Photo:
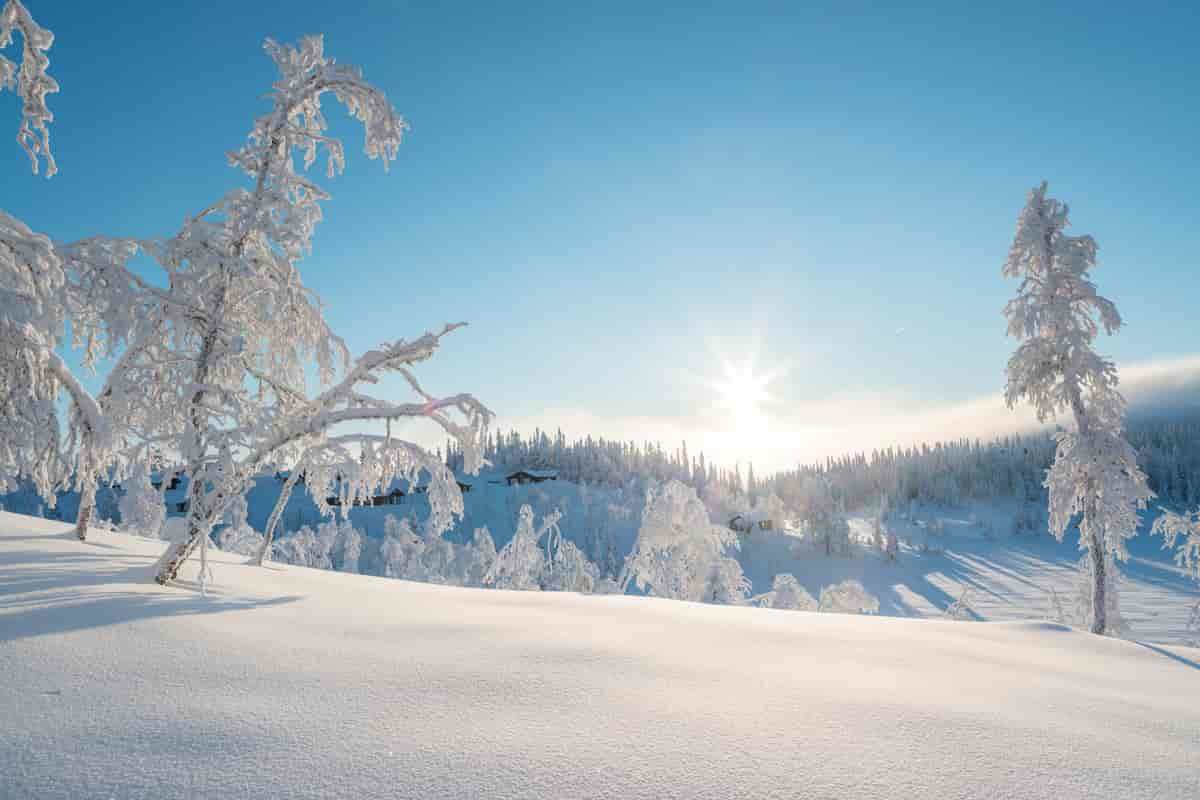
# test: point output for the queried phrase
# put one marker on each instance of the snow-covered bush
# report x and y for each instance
(141, 506)
(725, 584)
(347, 547)
(474, 560)
(521, 563)
(241, 539)
(961, 609)
(786, 592)
(569, 570)
(848, 597)
(401, 551)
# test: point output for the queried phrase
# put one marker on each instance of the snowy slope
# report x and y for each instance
(290, 682)
(1010, 577)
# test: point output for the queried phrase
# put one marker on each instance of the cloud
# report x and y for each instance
(858, 421)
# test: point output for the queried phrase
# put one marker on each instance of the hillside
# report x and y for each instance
(943, 551)
(289, 682)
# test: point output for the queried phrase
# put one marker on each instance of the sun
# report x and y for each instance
(742, 392)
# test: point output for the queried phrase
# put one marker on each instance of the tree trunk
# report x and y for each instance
(276, 513)
(1099, 586)
(87, 505)
(177, 553)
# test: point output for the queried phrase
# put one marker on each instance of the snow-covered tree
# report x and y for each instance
(254, 328)
(822, 518)
(347, 547)
(303, 548)
(56, 298)
(237, 536)
(47, 290)
(521, 563)
(726, 584)
(141, 505)
(1095, 474)
(569, 570)
(848, 597)
(786, 592)
(401, 551)
(679, 552)
(474, 560)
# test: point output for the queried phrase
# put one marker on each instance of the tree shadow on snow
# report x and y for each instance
(49, 593)
(1173, 656)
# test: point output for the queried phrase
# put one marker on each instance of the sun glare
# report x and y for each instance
(741, 393)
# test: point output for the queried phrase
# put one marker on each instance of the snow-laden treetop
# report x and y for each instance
(1054, 313)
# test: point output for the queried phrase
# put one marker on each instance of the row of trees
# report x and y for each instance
(607, 462)
(946, 473)
(210, 355)
(955, 472)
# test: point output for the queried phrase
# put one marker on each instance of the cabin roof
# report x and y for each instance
(534, 473)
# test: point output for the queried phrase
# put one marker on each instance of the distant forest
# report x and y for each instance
(947, 472)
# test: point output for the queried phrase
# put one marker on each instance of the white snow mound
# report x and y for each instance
(296, 683)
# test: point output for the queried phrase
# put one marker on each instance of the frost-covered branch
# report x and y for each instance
(30, 80)
(1184, 529)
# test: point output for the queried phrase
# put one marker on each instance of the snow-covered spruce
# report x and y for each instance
(848, 597)
(1095, 472)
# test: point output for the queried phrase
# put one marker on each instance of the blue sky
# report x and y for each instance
(616, 197)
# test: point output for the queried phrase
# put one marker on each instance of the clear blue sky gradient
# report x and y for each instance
(608, 192)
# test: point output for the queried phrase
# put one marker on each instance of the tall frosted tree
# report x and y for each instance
(1057, 315)
(252, 331)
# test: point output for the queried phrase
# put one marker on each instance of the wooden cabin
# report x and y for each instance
(524, 476)
(393, 498)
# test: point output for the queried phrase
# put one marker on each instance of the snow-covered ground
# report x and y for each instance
(288, 682)
(1008, 577)
(943, 551)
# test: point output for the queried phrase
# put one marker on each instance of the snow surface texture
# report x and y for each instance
(299, 683)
